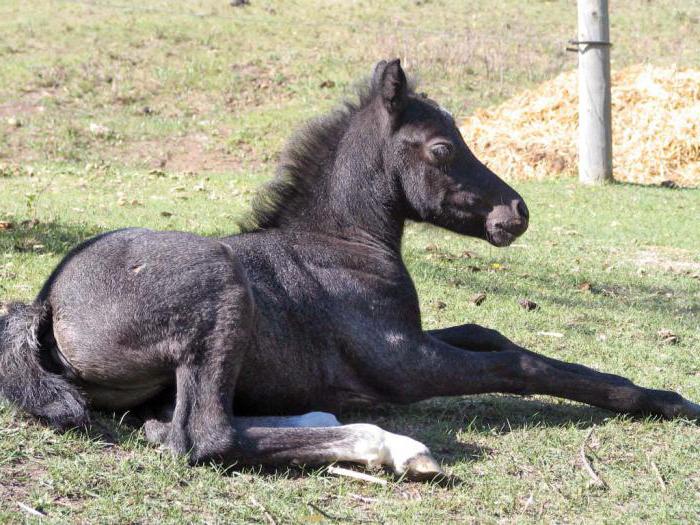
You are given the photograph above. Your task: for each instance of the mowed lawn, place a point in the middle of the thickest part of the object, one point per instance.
(169, 115)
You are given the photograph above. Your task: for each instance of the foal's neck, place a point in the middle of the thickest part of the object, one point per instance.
(355, 198)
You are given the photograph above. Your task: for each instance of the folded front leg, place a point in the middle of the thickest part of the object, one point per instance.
(357, 443)
(287, 441)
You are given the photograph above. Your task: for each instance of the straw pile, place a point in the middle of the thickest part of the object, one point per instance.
(656, 128)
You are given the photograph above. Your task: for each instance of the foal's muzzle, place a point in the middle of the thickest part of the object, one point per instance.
(506, 223)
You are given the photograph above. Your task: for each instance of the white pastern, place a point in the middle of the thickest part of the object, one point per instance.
(376, 447)
(401, 449)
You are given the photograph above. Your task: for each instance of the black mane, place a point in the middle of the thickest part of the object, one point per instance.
(306, 157)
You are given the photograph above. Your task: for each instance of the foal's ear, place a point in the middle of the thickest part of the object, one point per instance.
(390, 82)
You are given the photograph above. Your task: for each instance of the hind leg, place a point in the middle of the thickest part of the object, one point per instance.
(205, 378)
(201, 422)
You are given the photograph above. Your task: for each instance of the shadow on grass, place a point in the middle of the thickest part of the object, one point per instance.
(668, 185)
(639, 296)
(436, 422)
(33, 236)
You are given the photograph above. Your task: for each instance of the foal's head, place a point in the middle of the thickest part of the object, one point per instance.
(441, 179)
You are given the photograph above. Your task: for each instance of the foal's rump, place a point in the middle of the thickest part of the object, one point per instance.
(124, 309)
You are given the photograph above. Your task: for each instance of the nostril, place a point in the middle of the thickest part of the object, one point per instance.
(522, 210)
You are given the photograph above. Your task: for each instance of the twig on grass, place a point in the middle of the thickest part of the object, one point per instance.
(530, 500)
(331, 517)
(597, 480)
(30, 510)
(362, 499)
(558, 335)
(323, 512)
(659, 477)
(339, 471)
(266, 513)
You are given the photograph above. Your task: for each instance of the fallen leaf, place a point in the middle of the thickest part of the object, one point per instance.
(478, 299)
(528, 304)
(6, 225)
(125, 202)
(99, 130)
(668, 337)
(585, 286)
(30, 223)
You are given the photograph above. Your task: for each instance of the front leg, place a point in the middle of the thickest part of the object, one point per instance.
(476, 338)
(429, 367)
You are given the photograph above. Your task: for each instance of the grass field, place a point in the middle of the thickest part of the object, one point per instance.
(169, 115)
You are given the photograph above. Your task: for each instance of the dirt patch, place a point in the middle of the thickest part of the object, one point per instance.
(673, 260)
(17, 479)
(195, 152)
(29, 104)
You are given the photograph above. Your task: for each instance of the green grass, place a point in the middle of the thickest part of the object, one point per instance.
(159, 71)
(610, 267)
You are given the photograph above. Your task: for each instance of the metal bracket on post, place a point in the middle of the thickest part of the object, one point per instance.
(578, 43)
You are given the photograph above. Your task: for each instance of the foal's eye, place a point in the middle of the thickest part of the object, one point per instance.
(441, 152)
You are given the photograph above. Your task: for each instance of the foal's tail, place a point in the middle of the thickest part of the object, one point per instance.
(24, 378)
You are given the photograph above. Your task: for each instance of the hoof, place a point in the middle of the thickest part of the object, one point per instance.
(423, 468)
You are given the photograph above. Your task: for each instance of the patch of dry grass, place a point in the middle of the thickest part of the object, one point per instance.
(656, 128)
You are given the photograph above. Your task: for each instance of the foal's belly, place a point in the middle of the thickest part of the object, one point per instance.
(294, 399)
(283, 380)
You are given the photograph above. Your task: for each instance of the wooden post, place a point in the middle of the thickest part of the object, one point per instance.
(595, 128)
